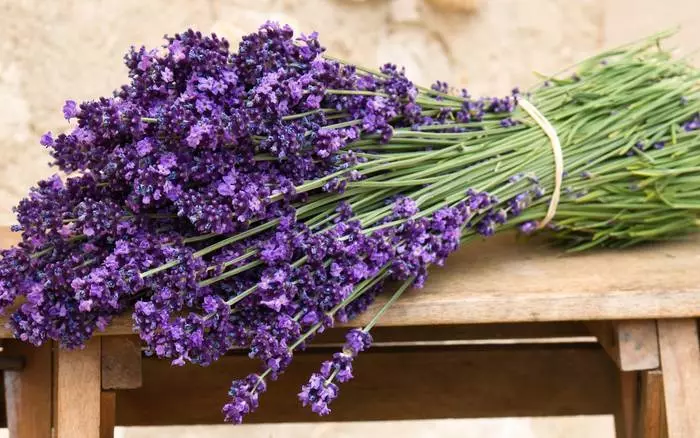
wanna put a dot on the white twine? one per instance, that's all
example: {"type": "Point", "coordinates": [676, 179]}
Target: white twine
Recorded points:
{"type": "Point", "coordinates": [551, 133]}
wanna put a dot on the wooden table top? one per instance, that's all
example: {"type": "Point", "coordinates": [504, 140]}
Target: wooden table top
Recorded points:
{"type": "Point", "coordinates": [502, 280]}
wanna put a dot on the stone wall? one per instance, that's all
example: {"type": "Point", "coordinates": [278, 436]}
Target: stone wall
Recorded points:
{"type": "Point", "coordinates": [51, 50]}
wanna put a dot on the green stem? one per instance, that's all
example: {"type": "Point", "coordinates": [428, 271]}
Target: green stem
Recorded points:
{"type": "Point", "coordinates": [388, 304]}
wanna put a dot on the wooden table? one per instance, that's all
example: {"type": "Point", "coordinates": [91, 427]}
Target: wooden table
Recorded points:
{"type": "Point", "coordinates": [505, 329]}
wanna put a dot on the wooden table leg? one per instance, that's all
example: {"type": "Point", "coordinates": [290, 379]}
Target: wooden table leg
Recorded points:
{"type": "Point", "coordinates": [108, 411]}
{"type": "Point", "coordinates": [651, 421]}
{"type": "Point", "coordinates": [28, 391]}
{"type": "Point", "coordinates": [627, 410]}
{"type": "Point", "coordinates": [680, 363]}
{"type": "Point", "coordinates": [121, 362]}
{"type": "Point", "coordinates": [641, 413]}
{"type": "Point", "coordinates": [121, 369]}
{"type": "Point", "coordinates": [78, 391]}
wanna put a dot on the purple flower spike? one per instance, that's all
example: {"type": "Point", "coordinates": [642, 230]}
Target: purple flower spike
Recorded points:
{"type": "Point", "coordinates": [70, 109]}
{"type": "Point", "coordinates": [405, 207]}
{"type": "Point", "coordinates": [356, 341]}
{"type": "Point", "coordinates": [692, 124]}
{"type": "Point", "coordinates": [47, 140]}
{"type": "Point", "coordinates": [318, 394]}
{"type": "Point", "coordinates": [528, 227]}
{"type": "Point", "coordinates": [244, 398]}
{"type": "Point", "coordinates": [320, 391]}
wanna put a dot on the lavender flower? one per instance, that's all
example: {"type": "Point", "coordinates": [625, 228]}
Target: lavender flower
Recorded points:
{"type": "Point", "coordinates": [245, 395]}
{"type": "Point", "coordinates": [528, 227]}
{"type": "Point", "coordinates": [70, 109]}
{"type": "Point", "coordinates": [356, 341]}
{"type": "Point", "coordinates": [320, 390]}
{"type": "Point", "coordinates": [318, 394]}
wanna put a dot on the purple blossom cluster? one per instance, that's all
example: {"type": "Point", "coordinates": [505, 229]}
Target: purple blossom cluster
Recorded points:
{"type": "Point", "coordinates": [471, 110]}
{"type": "Point", "coordinates": [339, 260]}
{"type": "Point", "coordinates": [183, 207]}
{"type": "Point", "coordinates": [693, 124]}
{"type": "Point", "coordinates": [244, 394]}
{"type": "Point", "coordinates": [320, 390]}
{"type": "Point", "coordinates": [50, 309]}
{"type": "Point", "coordinates": [182, 138]}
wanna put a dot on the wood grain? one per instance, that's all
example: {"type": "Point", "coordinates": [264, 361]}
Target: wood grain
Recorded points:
{"type": "Point", "coordinates": [121, 362]}
{"type": "Point", "coordinates": [28, 391]}
{"type": "Point", "coordinates": [680, 364]}
{"type": "Point", "coordinates": [481, 333]}
{"type": "Point", "coordinates": [78, 391]}
{"type": "Point", "coordinates": [637, 345]}
{"type": "Point", "coordinates": [14, 363]}
{"type": "Point", "coordinates": [632, 345]}
{"type": "Point", "coordinates": [651, 405]}
{"type": "Point", "coordinates": [640, 412]}
{"type": "Point", "coordinates": [501, 280]}
{"type": "Point", "coordinates": [626, 412]}
{"type": "Point", "coordinates": [108, 407]}
{"type": "Point", "coordinates": [390, 384]}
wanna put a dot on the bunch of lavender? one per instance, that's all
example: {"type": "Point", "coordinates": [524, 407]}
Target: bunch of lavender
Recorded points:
{"type": "Point", "coordinates": [252, 199]}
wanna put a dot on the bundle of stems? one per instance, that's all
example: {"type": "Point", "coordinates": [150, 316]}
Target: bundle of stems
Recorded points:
{"type": "Point", "coordinates": [228, 204]}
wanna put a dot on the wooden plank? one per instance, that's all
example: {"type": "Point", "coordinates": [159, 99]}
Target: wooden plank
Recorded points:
{"type": "Point", "coordinates": [542, 286]}
{"type": "Point", "coordinates": [640, 412]}
{"type": "Point", "coordinates": [121, 362]}
{"type": "Point", "coordinates": [390, 384]}
{"type": "Point", "coordinates": [475, 332]}
{"type": "Point", "coordinates": [28, 392]}
{"type": "Point", "coordinates": [604, 331]}
{"type": "Point", "coordinates": [628, 405]}
{"type": "Point", "coordinates": [11, 363]}
{"type": "Point", "coordinates": [78, 391]}
{"type": "Point", "coordinates": [121, 326]}
{"type": "Point", "coordinates": [108, 407]}
{"type": "Point", "coordinates": [680, 363]}
{"type": "Point", "coordinates": [3, 405]}
{"type": "Point", "coordinates": [651, 405]}
{"type": "Point", "coordinates": [637, 344]}
{"type": "Point", "coordinates": [633, 345]}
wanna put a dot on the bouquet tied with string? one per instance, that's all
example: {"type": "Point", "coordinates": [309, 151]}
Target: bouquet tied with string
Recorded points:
{"type": "Point", "coordinates": [254, 198]}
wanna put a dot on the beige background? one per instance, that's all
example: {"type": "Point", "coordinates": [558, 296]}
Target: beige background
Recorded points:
{"type": "Point", "coordinates": [52, 50]}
